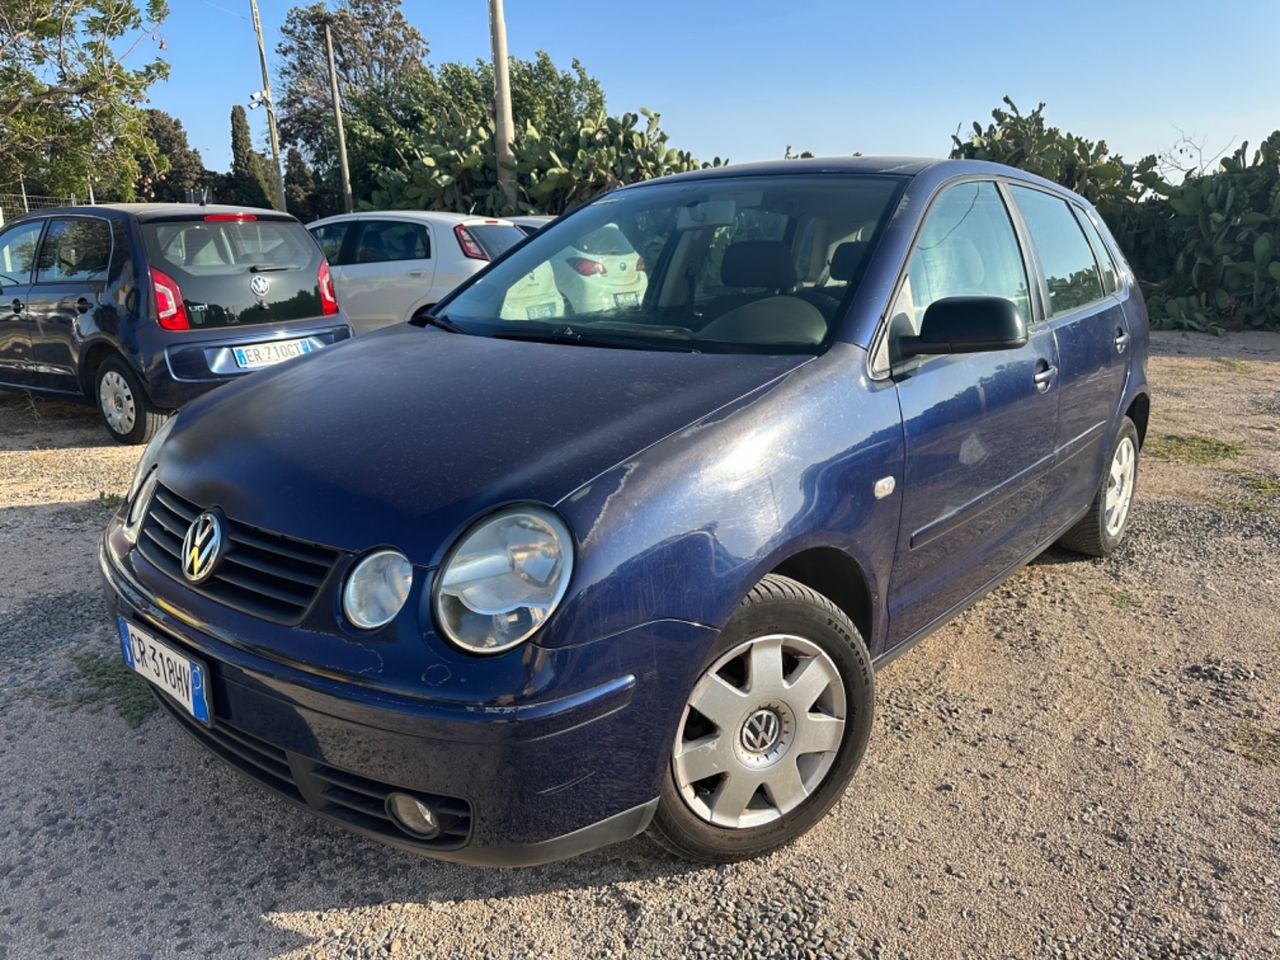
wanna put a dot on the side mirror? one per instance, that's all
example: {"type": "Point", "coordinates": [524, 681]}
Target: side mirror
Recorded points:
{"type": "Point", "coordinates": [966, 325]}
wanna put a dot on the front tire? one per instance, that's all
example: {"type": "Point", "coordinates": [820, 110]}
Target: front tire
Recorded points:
{"type": "Point", "coordinates": [772, 731]}
{"type": "Point", "coordinates": [127, 413]}
{"type": "Point", "coordinates": [1102, 529]}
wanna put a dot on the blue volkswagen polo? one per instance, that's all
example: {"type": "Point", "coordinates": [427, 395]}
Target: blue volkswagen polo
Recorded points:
{"type": "Point", "coordinates": [522, 580]}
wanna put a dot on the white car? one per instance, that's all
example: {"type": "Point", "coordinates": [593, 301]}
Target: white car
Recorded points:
{"type": "Point", "coordinates": [531, 222]}
{"type": "Point", "coordinates": [602, 272]}
{"type": "Point", "coordinates": [390, 265]}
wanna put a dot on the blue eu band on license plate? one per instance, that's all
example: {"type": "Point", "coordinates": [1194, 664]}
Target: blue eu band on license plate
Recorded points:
{"type": "Point", "coordinates": [184, 679]}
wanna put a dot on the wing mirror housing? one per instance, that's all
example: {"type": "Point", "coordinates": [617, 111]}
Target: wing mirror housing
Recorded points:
{"type": "Point", "coordinates": [966, 325]}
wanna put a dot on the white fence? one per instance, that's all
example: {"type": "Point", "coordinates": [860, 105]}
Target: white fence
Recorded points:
{"type": "Point", "coordinates": [13, 204]}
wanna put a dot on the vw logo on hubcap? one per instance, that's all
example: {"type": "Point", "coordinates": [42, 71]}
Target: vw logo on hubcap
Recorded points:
{"type": "Point", "coordinates": [260, 286]}
{"type": "Point", "coordinates": [761, 731]}
{"type": "Point", "coordinates": [201, 547]}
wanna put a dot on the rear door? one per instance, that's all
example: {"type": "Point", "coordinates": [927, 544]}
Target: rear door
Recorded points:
{"type": "Point", "coordinates": [387, 274]}
{"type": "Point", "coordinates": [18, 246]}
{"type": "Point", "coordinates": [71, 272]}
{"type": "Point", "coordinates": [979, 427]}
{"type": "Point", "coordinates": [1081, 289]}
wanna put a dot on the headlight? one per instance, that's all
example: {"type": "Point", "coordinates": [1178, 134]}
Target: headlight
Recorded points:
{"type": "Point", "coordinates": [503, 579]}
{"type": "Point", "coordinates": [377, 588]}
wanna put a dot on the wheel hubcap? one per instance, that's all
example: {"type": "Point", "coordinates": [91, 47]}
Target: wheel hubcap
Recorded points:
{"type": "Point", "coordinates": [760, 731]}
{"type": "Point", "coordinates": [1120, 484]}
{"type": "Point", "coordinates": [116, 400]}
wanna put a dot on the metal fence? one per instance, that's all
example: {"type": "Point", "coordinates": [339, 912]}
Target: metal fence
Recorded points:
{"type": "Point", "coordinates": [13, 204]}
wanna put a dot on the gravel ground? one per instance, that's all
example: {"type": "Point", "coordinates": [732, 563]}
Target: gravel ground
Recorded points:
{"type": "Point", "coordinates": [1083, 765]}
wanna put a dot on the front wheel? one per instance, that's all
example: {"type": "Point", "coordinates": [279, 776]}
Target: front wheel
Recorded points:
{"type": "Point", "coordinates": [126, 411]}
{"type": "Point", "coordinates": [772, 731]}
{"type": "Point", "coordinates": [1099, 533]}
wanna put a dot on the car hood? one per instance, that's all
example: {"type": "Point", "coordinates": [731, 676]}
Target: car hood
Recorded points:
{"type": "Point", "coordinates": [405, 436]}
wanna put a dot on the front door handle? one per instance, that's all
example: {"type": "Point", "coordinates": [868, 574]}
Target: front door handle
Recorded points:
{"type": "Point", "coordinates": [417, 273]}
{"type": "Point", "coordinates": [1044, 375]}
{"type": "Point", "coordinates": [17, 305]}
{"type": "Point", "coordinates": [1121, 341]}
{"type": "Point", "coordinates": [83, 305]}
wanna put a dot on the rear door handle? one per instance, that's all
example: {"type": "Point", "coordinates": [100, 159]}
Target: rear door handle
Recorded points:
{"type": "Point", "coordinates": [1044, 376]}
{"type": "Point", "coordinates": [417, 273]}
{"type": "Point", "coordinates": [83, 305]}
{"type": "Point", "coordinates": [1121, 341]}
{"type": "Point", "coordinates": [17, 305]}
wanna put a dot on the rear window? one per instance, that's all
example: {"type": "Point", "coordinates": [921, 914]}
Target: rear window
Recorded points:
{"type": "Point", "coordinates": [496, 238]}
{"type": "Point", "coordinates": [222, 248]}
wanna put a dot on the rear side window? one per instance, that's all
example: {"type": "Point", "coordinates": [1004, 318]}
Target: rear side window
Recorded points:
{"type": "Point", "coordinates": [1110, 276]}
{"type": "Point", "coordinates": [75, 250]}
{"type": "Point", "coordinates": [210, 248]}
{"type": "Point", "coordinates": [1065, 254]}
{"type": "Point", "coordinates": [18, 252]}
{"type": "Point", "coordinates": [331, 237]}
{"type": "Point", "coordinates": [967, 248]}
{"type": "Point", "coordinates": [384, 240]}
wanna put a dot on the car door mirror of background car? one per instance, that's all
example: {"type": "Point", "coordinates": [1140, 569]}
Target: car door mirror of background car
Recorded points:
{"type": "Point", "coordinates": [966, 325]}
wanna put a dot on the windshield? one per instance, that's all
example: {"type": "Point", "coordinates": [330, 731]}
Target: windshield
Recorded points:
{"type": "Point", "coordinates": [739, 264]}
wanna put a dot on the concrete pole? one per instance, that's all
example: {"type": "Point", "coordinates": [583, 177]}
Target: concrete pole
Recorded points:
{"type": "Point", "coordinates": [337, 116]}
{"type": "Point", "coordinates": [266, 97]}
{"type": "Point", "coordinates": [503, 132]}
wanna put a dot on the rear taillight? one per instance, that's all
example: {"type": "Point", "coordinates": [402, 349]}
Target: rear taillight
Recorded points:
{"type": "Point", "coordinates": [171, 313]}
{"type": "Point", "coordinates": [470, 246]}
{"type": "Point", "coordinates": [640, 267]}
{"type": "Point", "coordinates": [588, 268]}
{"type": "Point", "coordinates": [328, 298]}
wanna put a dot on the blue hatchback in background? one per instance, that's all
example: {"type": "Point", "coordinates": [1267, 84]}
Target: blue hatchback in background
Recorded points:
{"type": "Point", "coordinates": [142, 307]}
{"type": "Point", "coordinates": [501, 588]}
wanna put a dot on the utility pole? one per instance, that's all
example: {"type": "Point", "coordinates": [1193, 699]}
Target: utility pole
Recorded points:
{"type": "Point", "coordinates": [266, 102]}
{"type": "Point", "coordinates": [337, 117]}
{"type": "Point", "coordinates": [502, 101]}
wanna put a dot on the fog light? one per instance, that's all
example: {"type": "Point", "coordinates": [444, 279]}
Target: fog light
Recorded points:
{"type": "Point", "coordinates": [413, 816]}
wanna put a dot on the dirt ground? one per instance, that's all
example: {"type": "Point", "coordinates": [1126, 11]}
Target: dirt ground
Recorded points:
{"type": "Point", "coordinates": [1083, 765]}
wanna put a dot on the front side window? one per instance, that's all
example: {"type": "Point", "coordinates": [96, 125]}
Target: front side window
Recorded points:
{"type": "Point", "coordinates": [18, 253]}
{"type": "Point", "coordinates": [1065, 255]}
{"type": "Point", "coordinates": [967, 248]}
{"type": "Point", "coordinates": [75, 250]}
{"type": "Point", "coordinates": [331, 236]}
{"type": "Point", "coordinates": [747, 264]}
{"type": "Point", "coordinates": [387, 240]}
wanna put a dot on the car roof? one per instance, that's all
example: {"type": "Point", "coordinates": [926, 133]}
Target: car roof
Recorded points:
{"type": "Point", "coordinates": [158, 211]}
{"type": "Point", "coordinates": [432, 216]}
{"type": "Point", "coordinates": [936, 169]}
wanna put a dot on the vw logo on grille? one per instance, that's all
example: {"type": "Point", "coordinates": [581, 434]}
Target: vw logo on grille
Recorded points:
{"type": "Point", "coordinates": [761, 730]}
{"type": "Point", "coordinates": [260, 286]}
{"type": "Point", "coordinates": [201, 547]}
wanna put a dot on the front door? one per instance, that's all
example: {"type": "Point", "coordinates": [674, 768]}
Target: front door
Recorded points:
{"type": "Point", "coordinates": [978, 428]}
{"type": "Point", "coordinates": [71, 272]}
{"type": "Point", "coordinates": [18, 245]}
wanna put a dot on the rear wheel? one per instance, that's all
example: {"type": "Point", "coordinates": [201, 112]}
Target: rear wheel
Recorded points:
{"type": "Point", "coordinates": [1102, 529]}
{"type": "Point", "coordinates": [126, 412]}
{"type": "Point", "coordinates": [772, 731]}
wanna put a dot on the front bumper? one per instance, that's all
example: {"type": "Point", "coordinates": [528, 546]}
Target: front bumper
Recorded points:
{"type": "Point", "coordinates": [515, 783]}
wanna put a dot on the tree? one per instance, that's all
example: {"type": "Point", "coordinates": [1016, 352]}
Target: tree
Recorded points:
{"type": "Point", "coordinates": [373, 45]}
{"type": "Point", "coordinates": [172, 169]}
{"type": "Point", "coordinates": [69, 102]}
{"type": "Point", "coordinates": [247, 183]}
{"type": "Point", "coordinates": [300, 187]}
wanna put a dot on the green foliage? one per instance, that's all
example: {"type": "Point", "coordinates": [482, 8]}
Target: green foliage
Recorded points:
{"type": "Point", "coordinates": [69, 100]}
{"type": "Point", "coordinates": [248, 181]}
{"type": "Point", "coordinates": [300, 186]}
{"type": "Point", "coordinates": [1193, 449]}
{"type": "Point", "coordinates": [169, 167]}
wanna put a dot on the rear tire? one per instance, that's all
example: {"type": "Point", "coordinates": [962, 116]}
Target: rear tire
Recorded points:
{"type": "Point", "coordinates": [1102, 529]}
{"type": "Point", "coordinates": [127, 413]}
{"type": "Point", "coordinates": [822, 678]}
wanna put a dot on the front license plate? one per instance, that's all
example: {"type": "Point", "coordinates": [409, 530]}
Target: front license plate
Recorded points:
{"type": "Point", "coordinates": [626, 299]}
{"type": "Point", "coordinates": [254, 355]}
{"type": "Point", "coordinates": [181, 677]}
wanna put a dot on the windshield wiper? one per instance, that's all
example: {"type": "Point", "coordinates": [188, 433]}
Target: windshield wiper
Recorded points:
{"type": "Point", "coordinates": [441, 321]}
{"type": "Point", "coordinates": [271, 267]}
{"type": "Point", "coordinates": [571, 337]}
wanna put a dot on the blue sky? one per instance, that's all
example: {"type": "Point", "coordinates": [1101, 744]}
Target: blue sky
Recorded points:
{"type": "Point", "coordinates": [742, 79]}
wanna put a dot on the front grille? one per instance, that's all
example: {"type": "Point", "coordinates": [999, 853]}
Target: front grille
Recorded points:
{"type": "Point", "coordinates": [353, 799]}
{"type": "Point", "coordinates": [261, 573]}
